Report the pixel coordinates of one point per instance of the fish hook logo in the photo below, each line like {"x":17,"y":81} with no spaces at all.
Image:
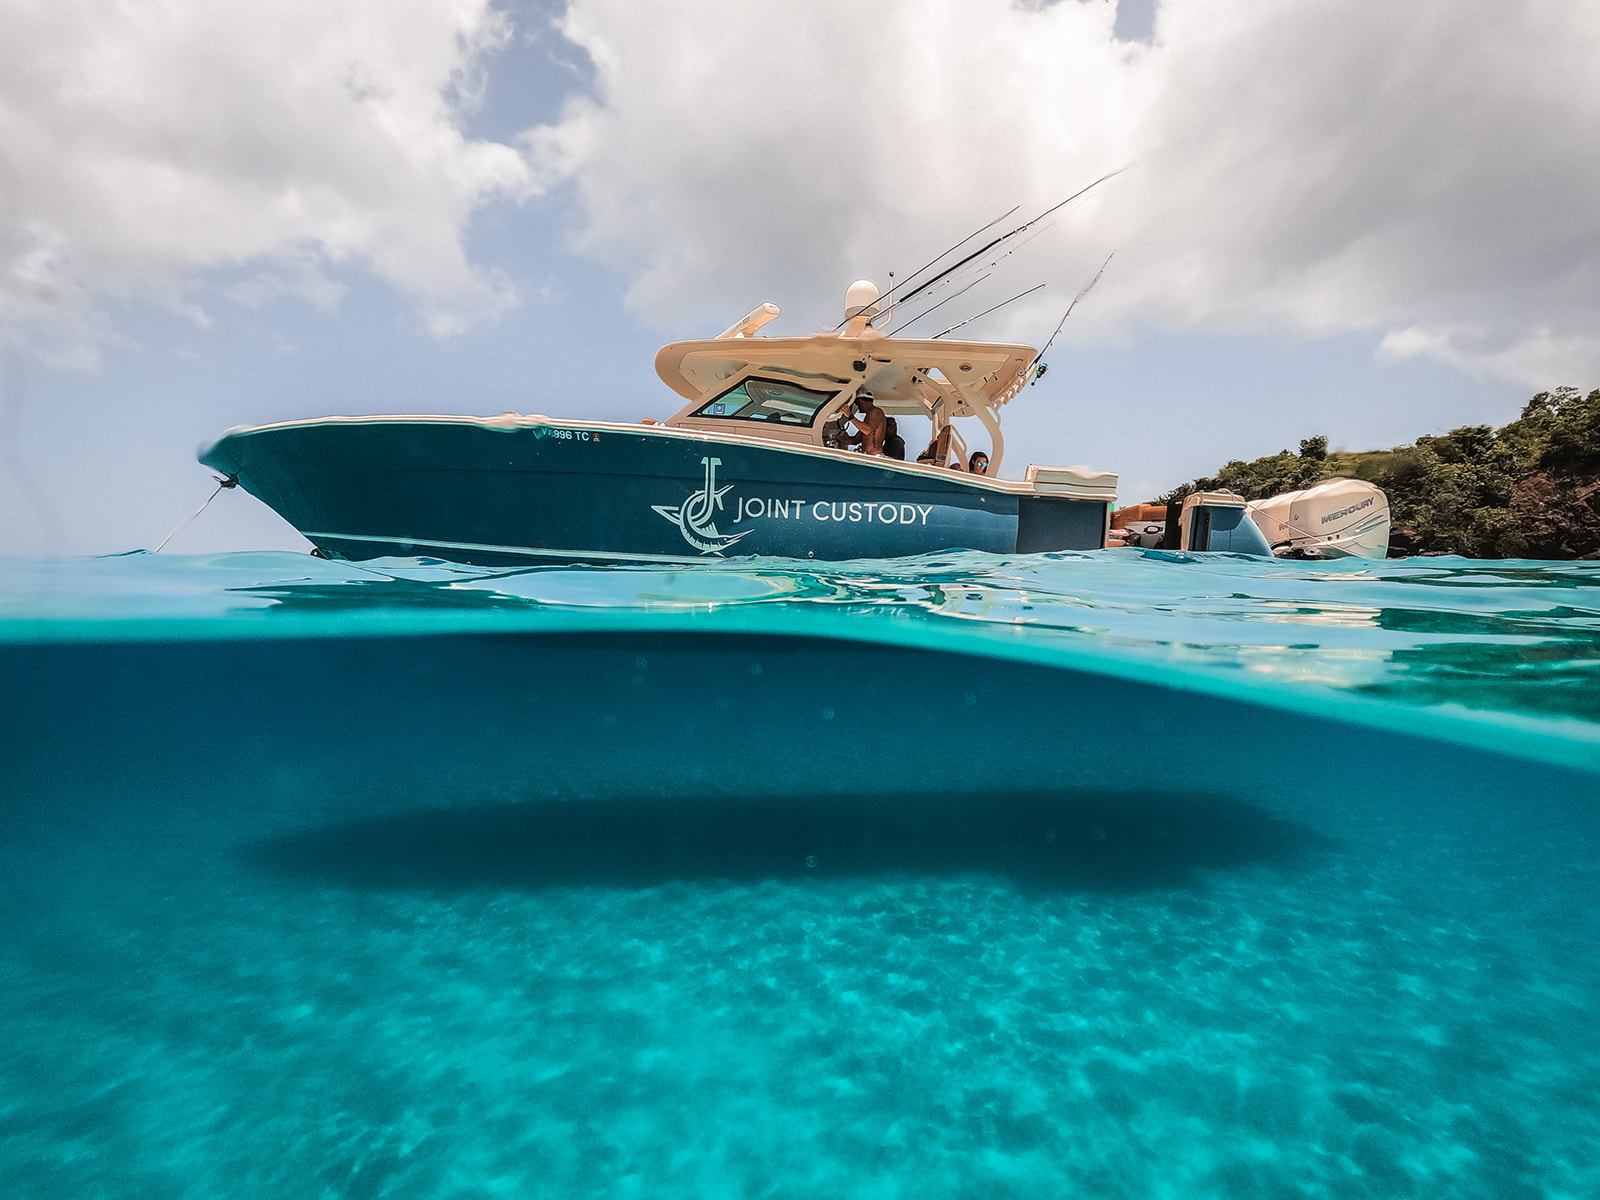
{"x":695,"y":517}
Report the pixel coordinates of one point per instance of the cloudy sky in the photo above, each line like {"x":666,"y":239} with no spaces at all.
{"x":1357,"y":218}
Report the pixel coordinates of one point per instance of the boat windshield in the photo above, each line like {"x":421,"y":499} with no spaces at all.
{"x":767,"y":400}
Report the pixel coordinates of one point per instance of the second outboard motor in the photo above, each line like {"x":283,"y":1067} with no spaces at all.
{"x":1219,"y":521}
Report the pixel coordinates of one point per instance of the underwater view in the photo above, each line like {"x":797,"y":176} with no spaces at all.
{"x":1106,"y":874}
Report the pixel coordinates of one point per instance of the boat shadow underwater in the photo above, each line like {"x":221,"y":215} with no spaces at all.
{"x":644,"y":755}
{"x":1038,"y":841}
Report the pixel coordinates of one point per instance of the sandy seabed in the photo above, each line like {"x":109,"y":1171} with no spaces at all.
{"x":1162,"y":1000}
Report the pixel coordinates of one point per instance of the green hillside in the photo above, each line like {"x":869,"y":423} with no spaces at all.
{"x":1530,"y":489}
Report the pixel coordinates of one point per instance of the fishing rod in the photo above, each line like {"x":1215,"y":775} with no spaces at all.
{"x":934,"y":259}
{"x":1062,"y":323}
{"x":987,"y":311}
{"x":955,"y":274}
{"x":1005,"y":237}
{"x":1042,"y":229}
{"x":953,"y":249}
{"x":913,"y":320}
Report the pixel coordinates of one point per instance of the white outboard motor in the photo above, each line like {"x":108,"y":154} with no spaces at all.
{"x":1334,"y":519}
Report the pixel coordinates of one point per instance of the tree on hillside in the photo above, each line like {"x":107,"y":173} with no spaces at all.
{"x":1284,"y":471}
{"x":1528,"y":489}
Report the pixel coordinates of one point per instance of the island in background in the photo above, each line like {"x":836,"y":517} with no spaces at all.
{"x":1530,"y":489}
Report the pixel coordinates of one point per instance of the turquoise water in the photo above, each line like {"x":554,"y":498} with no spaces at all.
{"x":1108,"y":874}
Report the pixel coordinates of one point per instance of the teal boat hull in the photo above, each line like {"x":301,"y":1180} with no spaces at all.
{"x":497,"y":493}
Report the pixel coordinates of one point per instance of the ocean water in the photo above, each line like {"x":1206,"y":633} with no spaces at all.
{"x":1115,"y":874}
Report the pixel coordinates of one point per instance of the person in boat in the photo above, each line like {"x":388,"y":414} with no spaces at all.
{"x":894,"y":446}
{"x":978,"y":464}
{"x":938,"y":451}
{"x":870,"y":422}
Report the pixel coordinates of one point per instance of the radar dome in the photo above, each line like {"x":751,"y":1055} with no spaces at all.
{"x":861,"y":299}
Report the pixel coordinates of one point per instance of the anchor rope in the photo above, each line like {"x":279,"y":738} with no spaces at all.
{"x":223,"y":481}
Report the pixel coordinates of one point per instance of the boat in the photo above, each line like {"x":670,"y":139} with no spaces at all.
{"x":762,"y":457}
{"x":1336,"y":518}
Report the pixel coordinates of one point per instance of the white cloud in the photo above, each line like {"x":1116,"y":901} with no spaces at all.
{"x":1316,"y":167}
{"x":144,"y":144}
{"x":737,"y":149}
{"x":1533,"y":356}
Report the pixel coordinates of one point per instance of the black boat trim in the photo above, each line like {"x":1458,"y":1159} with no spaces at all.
{"x":522,"y":551}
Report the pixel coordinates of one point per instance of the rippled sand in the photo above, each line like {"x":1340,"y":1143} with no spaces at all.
{"x":1376,"y":1008}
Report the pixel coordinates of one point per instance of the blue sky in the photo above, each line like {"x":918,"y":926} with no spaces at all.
{"x":1335,"y":220}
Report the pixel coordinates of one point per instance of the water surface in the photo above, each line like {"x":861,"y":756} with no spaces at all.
{"x":1106,"y":874}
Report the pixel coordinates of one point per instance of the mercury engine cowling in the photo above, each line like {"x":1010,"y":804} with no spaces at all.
{"x":1334,"y":519}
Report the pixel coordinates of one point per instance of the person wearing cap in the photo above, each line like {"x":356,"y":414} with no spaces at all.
{"x":870,"y":423}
